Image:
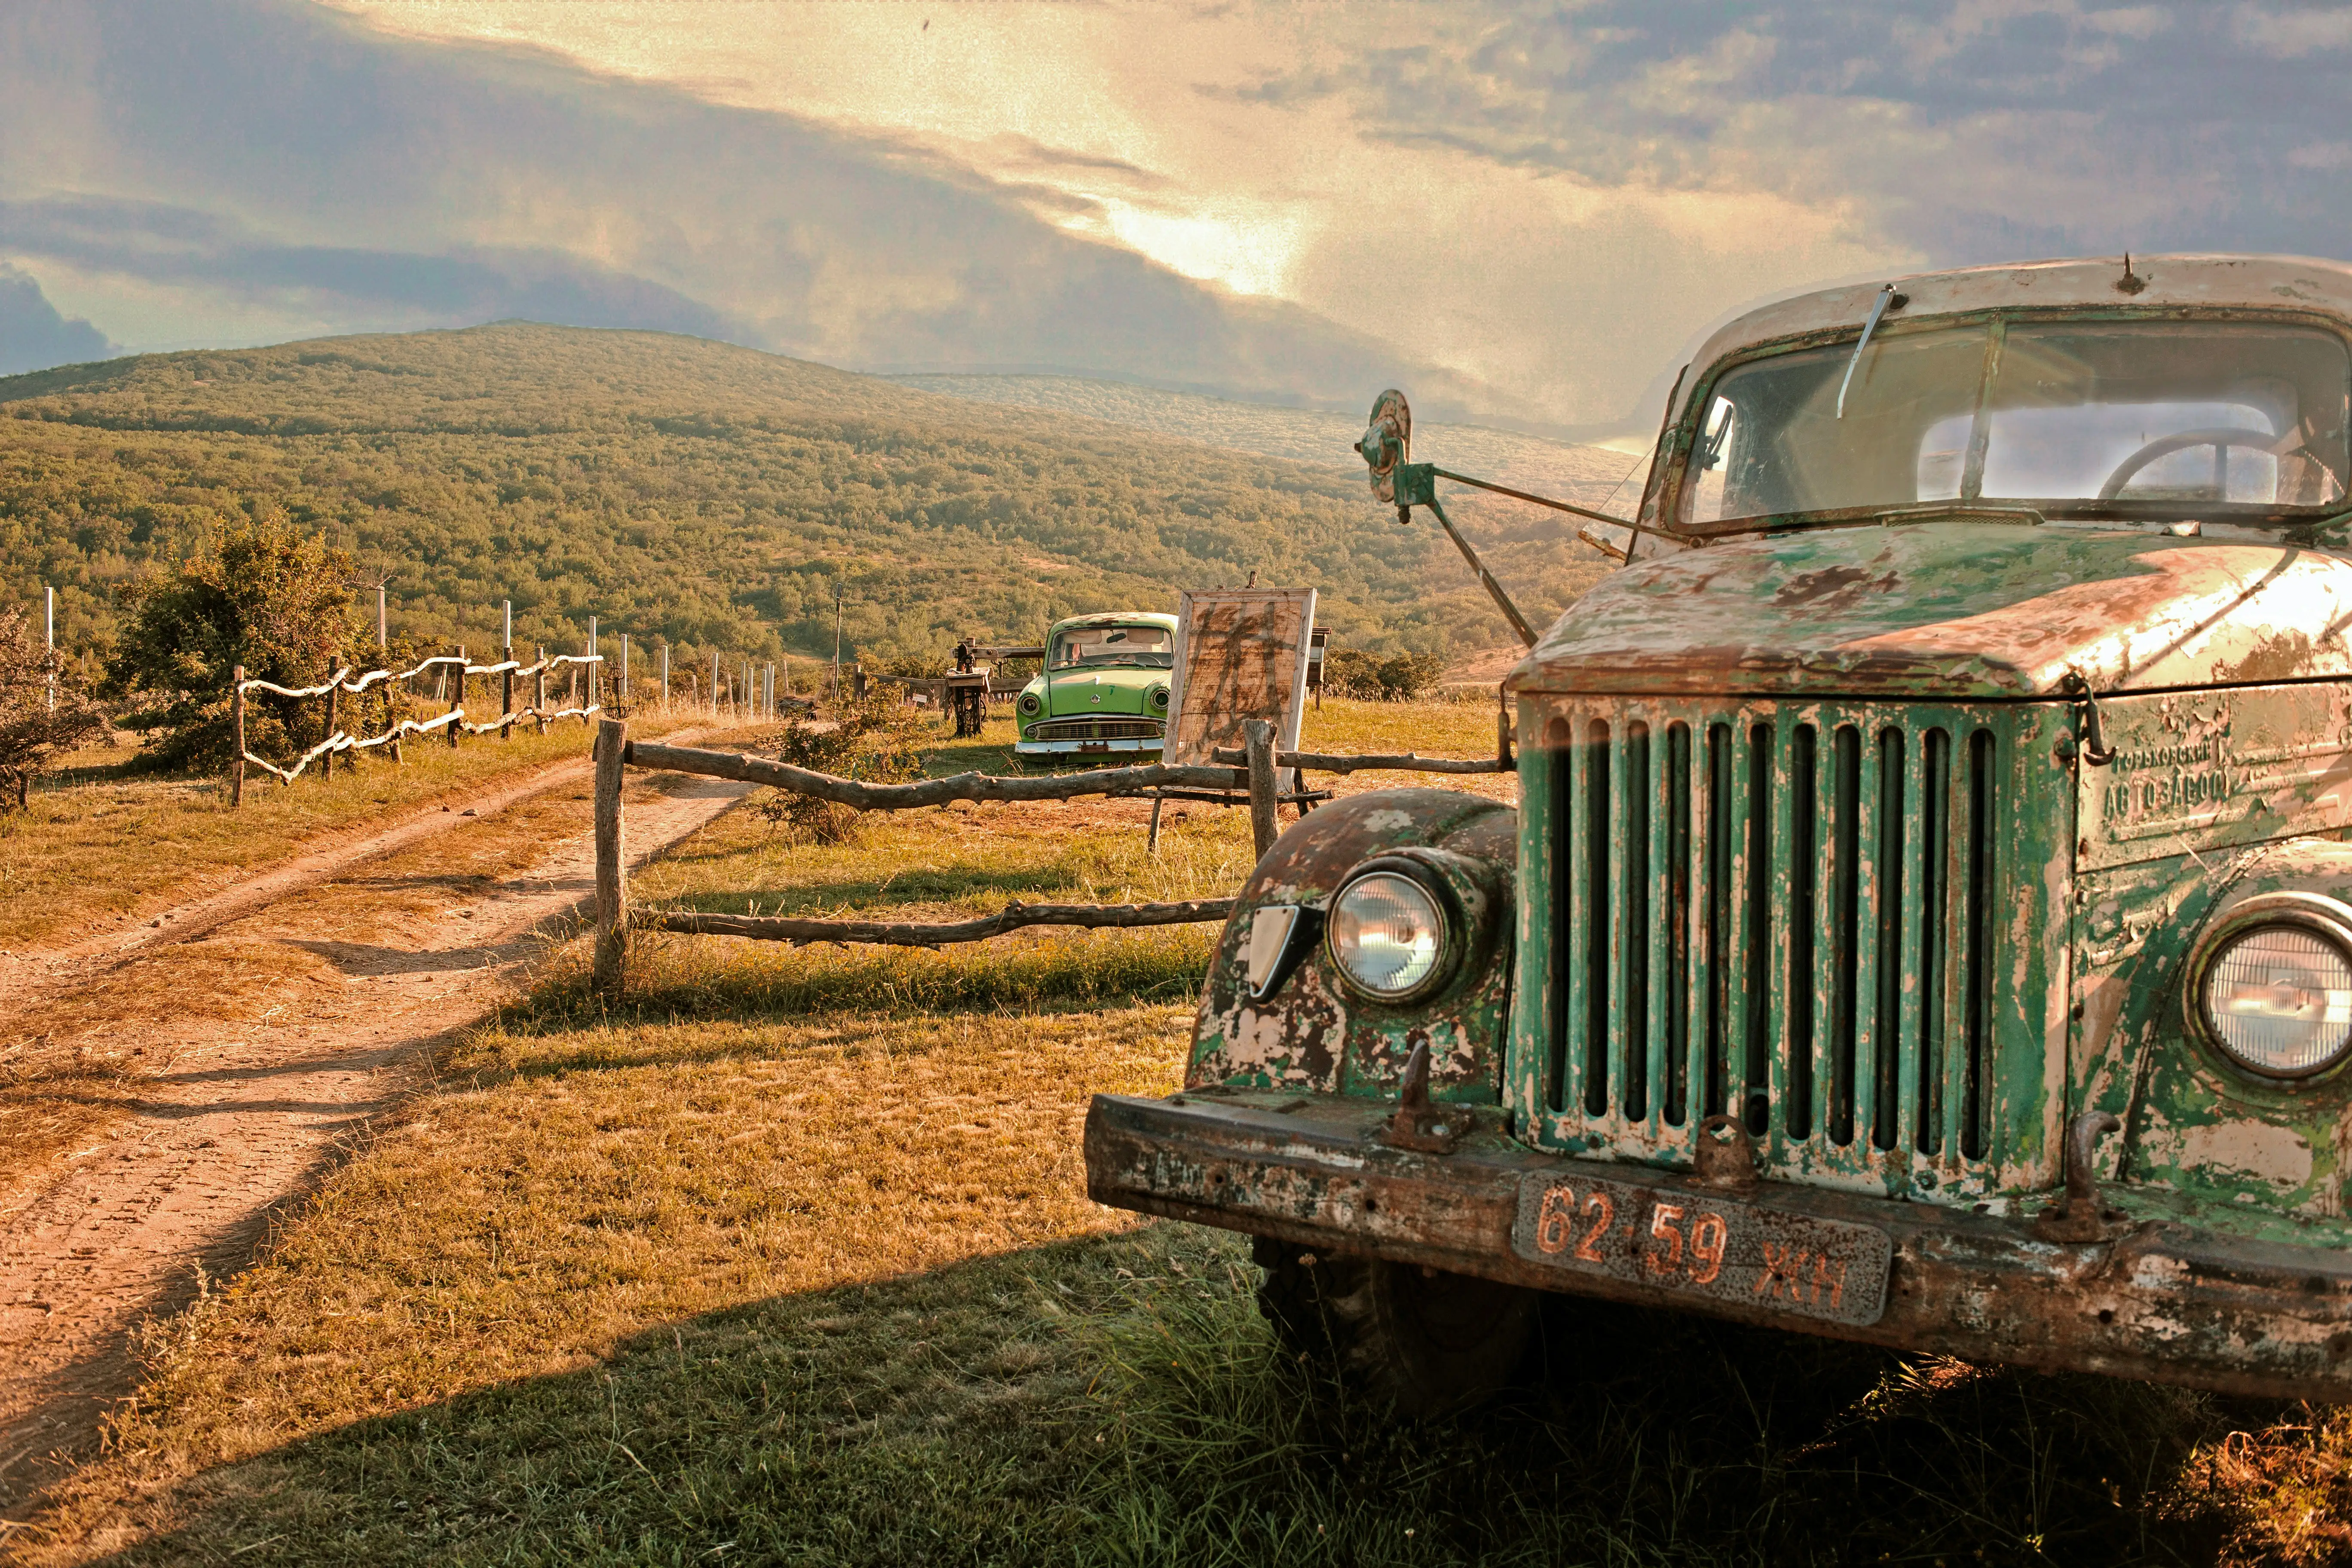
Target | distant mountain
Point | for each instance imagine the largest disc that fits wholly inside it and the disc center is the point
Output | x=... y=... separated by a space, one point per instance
x=719 y=497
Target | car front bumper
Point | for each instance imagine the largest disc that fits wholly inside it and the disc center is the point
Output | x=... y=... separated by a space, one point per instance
x=1084 y=748
x=2162 y=1301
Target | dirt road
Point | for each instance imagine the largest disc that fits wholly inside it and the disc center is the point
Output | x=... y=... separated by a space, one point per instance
x=245 y=1118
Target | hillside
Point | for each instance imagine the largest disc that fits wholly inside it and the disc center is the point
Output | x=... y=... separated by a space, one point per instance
x=1589 y=476
x=707 y=494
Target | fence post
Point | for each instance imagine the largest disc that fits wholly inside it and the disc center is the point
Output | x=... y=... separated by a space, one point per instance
x=49 y=641
x=538 y=701
x=459 y=721
x=621 y=690
x=714 y=684
x=595 y=672
x=665 y=679
x=612 y=893
x=1258 y=736
x=236 y=736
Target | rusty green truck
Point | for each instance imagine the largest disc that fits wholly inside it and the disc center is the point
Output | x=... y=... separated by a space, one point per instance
x=1926 y=919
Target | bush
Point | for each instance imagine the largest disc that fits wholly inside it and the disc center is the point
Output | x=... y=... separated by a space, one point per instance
x=873 y=741
x=261 y=593
x=1376 y=678
x=31 y=730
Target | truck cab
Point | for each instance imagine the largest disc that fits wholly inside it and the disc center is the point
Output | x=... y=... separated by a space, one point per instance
x=1927 y=918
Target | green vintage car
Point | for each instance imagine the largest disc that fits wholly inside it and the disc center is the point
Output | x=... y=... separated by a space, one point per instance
x=1926 y=914
x=1104 y=689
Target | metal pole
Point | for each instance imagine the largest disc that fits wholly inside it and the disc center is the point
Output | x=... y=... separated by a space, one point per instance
x=623 y=691
x=665 y=678
x=380 y=642
x=539 y=700
x=1494 y=589
x=714 y=683
x=49 y=640
x=595 y=670
x=458 y=722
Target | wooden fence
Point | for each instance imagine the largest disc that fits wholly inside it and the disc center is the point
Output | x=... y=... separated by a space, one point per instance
x=451 y=720
x=1254 y=774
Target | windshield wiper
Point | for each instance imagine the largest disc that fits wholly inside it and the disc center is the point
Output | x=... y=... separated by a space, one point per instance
x=1877 y=308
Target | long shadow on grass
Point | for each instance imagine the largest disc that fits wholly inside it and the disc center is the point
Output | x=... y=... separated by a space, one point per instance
x=1117 y=1400
x=673 y=978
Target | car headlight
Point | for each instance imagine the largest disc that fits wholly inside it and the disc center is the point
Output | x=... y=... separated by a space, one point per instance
x=1387 y=934
x=2273 y=985
x=1159 y=698
x=1029 y=705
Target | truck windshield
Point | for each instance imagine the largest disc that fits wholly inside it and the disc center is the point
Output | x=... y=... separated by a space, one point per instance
x=2162 y=418
x=1151 y=646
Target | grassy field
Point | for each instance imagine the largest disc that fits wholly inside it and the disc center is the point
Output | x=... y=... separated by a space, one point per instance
x=104 y=843
x=788 y=1258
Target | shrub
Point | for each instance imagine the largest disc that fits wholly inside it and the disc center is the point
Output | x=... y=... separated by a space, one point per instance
x=873 y=741
x=1377 y=678
x=31 y=730
x=262 y=593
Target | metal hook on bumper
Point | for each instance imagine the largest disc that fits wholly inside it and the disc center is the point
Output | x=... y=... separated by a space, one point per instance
x=2078 y=1217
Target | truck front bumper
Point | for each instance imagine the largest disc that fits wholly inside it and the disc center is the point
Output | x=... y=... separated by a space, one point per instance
x=2162 y=1301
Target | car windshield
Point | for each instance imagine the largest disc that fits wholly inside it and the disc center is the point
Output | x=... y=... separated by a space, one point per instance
x=1154 y=647
x=2070 y=419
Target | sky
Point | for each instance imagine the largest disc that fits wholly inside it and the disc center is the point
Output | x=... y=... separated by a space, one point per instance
x=1524 y=214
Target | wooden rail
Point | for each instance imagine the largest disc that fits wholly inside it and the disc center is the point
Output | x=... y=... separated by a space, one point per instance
x=909 y=933
x=928 y=792
x=1258 y=773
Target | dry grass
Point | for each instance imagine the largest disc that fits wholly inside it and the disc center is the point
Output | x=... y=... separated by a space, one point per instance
x=71 y=1064
x=106 y=844
x=790 y=1260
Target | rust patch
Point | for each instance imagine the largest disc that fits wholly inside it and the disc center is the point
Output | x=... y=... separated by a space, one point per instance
x=1843 y=584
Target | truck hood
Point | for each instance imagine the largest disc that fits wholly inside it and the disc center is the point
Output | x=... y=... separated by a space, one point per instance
x=1073 y=693
x=1952 y=610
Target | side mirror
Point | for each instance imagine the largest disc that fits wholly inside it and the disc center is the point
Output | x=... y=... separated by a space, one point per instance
x=1388 y=442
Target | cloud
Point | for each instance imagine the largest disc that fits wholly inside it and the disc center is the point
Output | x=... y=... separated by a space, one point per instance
x=34 y=336
x=1967 y=131
x=232 y=155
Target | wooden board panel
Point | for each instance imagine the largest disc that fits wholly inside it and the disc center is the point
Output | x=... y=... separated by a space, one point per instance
x=1240 y=654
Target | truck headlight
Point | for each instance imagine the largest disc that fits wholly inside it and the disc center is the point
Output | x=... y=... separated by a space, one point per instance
x=1388 y=936
x=1029 y=705
x=2274 y=984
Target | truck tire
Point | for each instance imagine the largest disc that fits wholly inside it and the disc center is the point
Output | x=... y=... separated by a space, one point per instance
x=1431 y=1342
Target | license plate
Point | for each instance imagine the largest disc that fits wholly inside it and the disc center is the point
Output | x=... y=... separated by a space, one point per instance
x=1700 y=1244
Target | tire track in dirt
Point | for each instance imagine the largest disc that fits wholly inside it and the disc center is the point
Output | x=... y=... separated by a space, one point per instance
x=38 y=973
x=236 y=1128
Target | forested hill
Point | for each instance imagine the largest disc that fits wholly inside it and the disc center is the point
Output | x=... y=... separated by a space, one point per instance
x=688 y=489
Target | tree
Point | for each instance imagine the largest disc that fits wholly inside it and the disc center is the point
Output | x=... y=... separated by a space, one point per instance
x=261 y=593
x=32 y=727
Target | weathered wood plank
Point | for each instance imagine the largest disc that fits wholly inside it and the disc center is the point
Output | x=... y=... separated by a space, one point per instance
x=908 y=933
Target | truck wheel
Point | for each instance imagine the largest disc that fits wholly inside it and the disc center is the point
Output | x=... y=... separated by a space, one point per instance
x=1430 y=1341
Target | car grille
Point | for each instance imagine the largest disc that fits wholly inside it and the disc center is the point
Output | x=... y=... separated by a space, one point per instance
x=1094 y=730
x=1786 y=914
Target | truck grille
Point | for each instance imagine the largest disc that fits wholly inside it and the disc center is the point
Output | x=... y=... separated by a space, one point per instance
x=1094 y=730
x=1786 y=914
